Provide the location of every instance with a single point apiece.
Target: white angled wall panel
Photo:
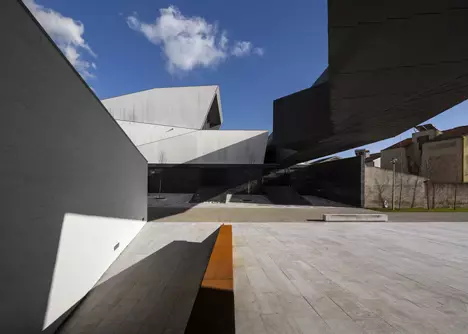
(209, 147)
(185, 107)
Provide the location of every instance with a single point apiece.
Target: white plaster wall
(216, 147)
(61, 153)
(178, 106)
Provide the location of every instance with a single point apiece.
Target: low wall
(411, 191)
(448, 195)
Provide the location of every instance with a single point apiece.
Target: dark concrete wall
(61, 152)
(392, 65)
(303, 118)
(340, 180)
(188, 179)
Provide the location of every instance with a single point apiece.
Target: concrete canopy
(196, 107)
(392, 65)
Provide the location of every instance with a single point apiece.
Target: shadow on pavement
(155, 295)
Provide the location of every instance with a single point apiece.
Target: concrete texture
(144, 133)
(175, 126)
(391, 66)
(339, 180)
(189, 177)
(186, 107)
(442, 161)
(398, 153)
(410, 190)
(152, 286)
(208, 147)
(59, 148)
(297, 278)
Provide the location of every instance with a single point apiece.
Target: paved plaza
(291, 278)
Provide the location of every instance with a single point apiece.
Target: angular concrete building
(176, 126)
(177, 131)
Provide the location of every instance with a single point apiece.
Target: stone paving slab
(298, 278)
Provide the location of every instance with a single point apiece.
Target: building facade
(440, 156)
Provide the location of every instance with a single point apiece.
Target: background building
(440, 156)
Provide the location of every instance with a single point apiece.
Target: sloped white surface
(88, 246)
(142, 133)
(206, 146)
(185, 107)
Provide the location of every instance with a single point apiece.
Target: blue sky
(256, 51)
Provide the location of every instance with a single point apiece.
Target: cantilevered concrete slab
(197, 107)
(392, 65)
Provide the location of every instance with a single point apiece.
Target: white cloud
(243, 48)
(258, 51)
(188, 42)
(68, 34)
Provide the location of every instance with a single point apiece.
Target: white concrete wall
(215, 147)
(142, 133)
(61, 153)
(185, 107)
(88, 244)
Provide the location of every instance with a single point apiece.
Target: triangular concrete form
(185, 107)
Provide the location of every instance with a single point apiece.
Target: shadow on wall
(205, 177)
(59, 148)
(186, 178)
(155, 295)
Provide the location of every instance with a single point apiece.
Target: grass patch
(424, 210)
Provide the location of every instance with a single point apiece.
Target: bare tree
(428, 172)
(162, 160)
(251, 158)
(460, 180)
